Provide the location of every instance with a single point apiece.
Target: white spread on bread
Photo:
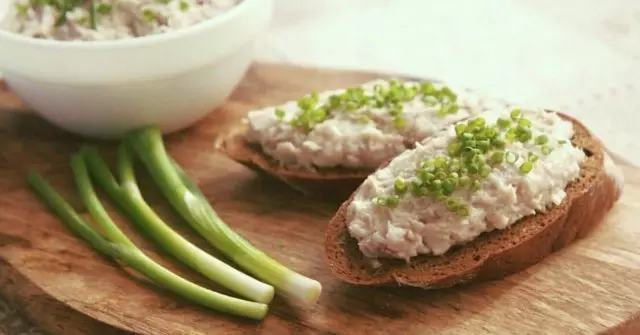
(418, 225)
(342, 140)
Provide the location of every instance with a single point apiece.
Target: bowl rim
(146, 40)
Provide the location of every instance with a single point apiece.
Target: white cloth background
(582, 56)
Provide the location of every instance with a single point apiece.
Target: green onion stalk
(128, 196)
(185, 196)
(118, 246)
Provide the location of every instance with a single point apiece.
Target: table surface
(581, 56)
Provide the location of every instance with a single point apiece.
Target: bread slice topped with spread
(484, 198)
(327, 143)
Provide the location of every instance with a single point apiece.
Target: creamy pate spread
(85, 20)
(450, 189)
(360, 127)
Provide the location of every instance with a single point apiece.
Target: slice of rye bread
(335, 184)
(495, 254)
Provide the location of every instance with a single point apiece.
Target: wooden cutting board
(66, 288)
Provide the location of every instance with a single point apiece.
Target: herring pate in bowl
(99, 68)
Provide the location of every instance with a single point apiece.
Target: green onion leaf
(129, 197)
(121, 248)
(189, 201)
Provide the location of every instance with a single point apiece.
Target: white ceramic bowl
(102, 89)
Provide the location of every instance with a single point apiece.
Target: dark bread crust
(629, 327)
(495, 254)
(333, 184)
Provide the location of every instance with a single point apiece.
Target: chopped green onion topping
(21, 9)
(462, 210)
(400, 185)
(454, 148)
(149, 16)
(497, 158)
(498, 143)
(515, 114)
(63, 8)
(477, 148)
(448, 109)
(82, 20)
(280, 113)
(523, 134)
(363, 119)
(475, 185)
(542, 139)
(392, 98)
(464, 181)
(416, 187)
(388, 201)
(526, 167)
(104, 8)
(392, 200)
(511, 135)
(524, 123)
(503, 123)
(399, 122)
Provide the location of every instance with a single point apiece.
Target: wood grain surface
(66, 288)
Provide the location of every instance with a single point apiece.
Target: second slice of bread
(335, 184)
(495, 254)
